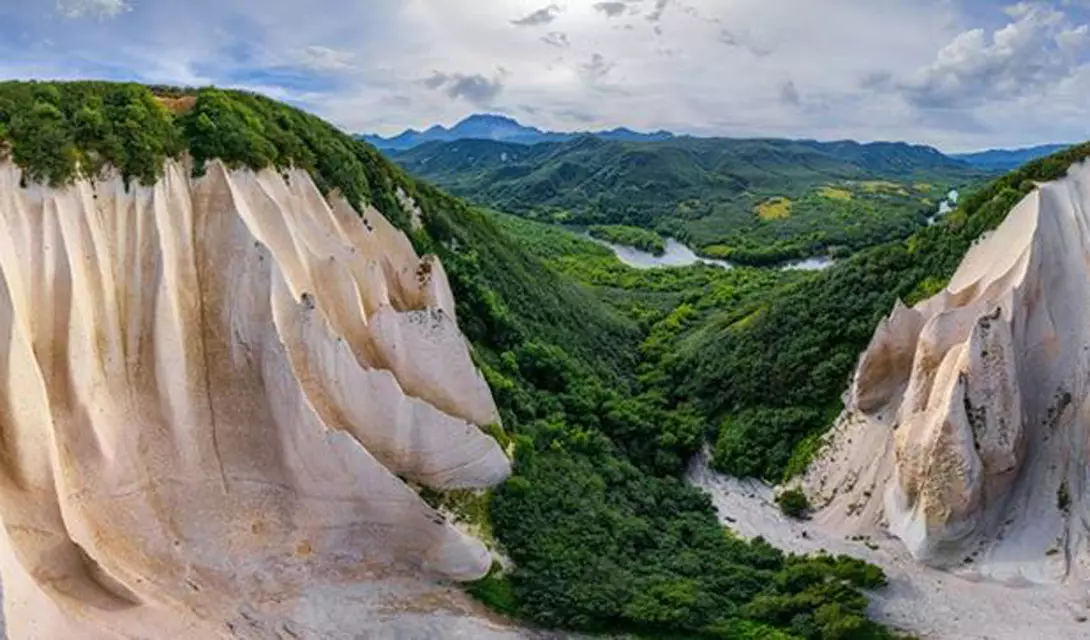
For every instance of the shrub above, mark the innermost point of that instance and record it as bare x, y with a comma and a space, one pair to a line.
794, 503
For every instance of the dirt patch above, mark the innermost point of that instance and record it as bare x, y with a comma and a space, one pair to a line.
177, 105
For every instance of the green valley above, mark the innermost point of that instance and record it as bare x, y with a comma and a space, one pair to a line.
754, 202
604, 534
608, 379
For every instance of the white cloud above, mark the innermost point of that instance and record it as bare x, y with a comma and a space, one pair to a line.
1030, 54
944, 72
320, 58
544, 15
92, 8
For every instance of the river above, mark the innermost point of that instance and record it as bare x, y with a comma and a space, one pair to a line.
679, 255
945, 207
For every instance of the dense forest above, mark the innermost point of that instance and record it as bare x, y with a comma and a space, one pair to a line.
754, 202
604, 534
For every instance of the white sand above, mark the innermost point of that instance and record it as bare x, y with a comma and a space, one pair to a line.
926, 602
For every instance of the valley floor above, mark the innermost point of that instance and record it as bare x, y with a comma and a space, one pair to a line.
931, 604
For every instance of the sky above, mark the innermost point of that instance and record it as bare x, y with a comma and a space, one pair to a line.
957, 74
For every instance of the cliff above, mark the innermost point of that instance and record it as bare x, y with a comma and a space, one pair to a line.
214, 392
965, 434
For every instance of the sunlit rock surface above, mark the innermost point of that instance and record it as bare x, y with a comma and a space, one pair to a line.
213, 395
966, 430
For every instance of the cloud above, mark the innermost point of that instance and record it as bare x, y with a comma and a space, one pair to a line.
596, 68
556, 39
92, 8
656, 13
611, 9
873, 70
474, 89
876, 80
318, 58
436, 80
1029, 55
576, 115
789, 94
743, 41
544, 15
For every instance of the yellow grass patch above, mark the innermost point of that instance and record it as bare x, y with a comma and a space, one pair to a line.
923, 187
835, 193
883, 186
776, 208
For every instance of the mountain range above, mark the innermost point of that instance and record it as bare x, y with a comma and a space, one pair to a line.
1008, 159
505, 129
501, 128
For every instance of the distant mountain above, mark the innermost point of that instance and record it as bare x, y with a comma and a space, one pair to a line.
707, 191
1008, 159
499, 128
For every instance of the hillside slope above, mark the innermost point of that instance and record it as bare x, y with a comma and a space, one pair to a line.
713, 193
603, 534
773, 379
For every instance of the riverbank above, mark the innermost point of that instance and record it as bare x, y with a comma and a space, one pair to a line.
676, 254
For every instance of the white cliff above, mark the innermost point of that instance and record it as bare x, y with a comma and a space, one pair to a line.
966, 430
213, 392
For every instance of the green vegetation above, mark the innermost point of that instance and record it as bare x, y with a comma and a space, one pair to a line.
793, 503
1063, 497
604, 534
726, 198
757, 440
768, 377
642, 239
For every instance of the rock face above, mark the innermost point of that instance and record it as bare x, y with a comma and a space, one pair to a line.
213, 393
965, 434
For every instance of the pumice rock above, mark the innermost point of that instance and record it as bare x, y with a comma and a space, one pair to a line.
965, 433
214, 392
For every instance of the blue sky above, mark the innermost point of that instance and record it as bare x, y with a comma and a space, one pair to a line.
958, 74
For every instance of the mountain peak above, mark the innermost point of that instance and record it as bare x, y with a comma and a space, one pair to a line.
494, 126
489, 118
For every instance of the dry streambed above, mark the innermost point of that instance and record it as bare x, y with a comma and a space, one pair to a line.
931, 604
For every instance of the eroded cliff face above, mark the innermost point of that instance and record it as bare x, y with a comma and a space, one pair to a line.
965, 434
212, 394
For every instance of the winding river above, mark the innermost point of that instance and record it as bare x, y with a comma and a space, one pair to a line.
679, 255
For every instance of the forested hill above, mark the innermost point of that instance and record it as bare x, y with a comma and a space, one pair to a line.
752, 201
603, 534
